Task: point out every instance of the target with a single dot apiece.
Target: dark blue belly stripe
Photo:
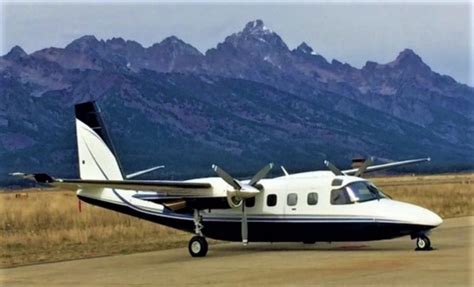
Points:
(277, 229)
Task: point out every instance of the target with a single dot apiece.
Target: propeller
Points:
(364, 166)
(261, 174)
(358, 173)
(226, 177)
(333, 168)
(244, 225)
(241, 192)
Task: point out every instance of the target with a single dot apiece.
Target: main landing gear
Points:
(197, 245)
(423, 243)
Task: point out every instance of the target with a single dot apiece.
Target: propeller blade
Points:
(244, 227)
(226, 177)
(261, 174)
(333, 168)
(364, 166)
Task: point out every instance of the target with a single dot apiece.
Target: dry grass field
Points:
(46, 226)
(448, 195)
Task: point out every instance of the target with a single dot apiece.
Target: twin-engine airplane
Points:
(335, 205)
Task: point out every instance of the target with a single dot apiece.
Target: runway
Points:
(381, 263)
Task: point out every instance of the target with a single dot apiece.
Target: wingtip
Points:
(38, 177)
(16, 173)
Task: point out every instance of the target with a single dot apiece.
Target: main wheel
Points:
(423, 243)
(197, 246)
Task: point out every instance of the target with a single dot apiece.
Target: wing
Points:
(386, 165)
(175, 195)
(181, 202)
(166, 187)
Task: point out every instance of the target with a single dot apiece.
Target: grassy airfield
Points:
(45, 225)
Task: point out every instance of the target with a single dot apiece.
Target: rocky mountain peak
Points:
(304, 48)
(409, 62)
(116, 42)
(256, 27)
(408, 58)
(172, 40)
(15, 53)
(83, 43)
(255, 38)
(369, 66)
(175, 45)
(408, 55)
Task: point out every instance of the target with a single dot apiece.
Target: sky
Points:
(352, 32)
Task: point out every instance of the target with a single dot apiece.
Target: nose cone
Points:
(427, 217)
(432, 219)
(411, 213)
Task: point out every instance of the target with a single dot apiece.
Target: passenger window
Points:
(312, 198)
(340, 196)
(271, 200)
(292, 199)
(250, 202)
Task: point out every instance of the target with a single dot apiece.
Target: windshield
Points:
(364, 191)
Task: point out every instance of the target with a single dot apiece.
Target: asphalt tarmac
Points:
(379, 263)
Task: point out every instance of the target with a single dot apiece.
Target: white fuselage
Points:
(300, 217)
(320, 183)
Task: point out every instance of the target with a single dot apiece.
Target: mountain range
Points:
(248, 101)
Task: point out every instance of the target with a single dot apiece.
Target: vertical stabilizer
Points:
(97, 156)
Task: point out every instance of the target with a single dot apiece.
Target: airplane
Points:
(309, 207)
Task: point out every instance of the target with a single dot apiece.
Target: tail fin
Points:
(97, 155)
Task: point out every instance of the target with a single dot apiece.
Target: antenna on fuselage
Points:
(284, 170)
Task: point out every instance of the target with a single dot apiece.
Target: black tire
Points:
(197, 246)
(423, 243)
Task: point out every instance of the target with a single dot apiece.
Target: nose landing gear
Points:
(423, 243)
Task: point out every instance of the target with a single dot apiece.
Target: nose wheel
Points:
(423, 243)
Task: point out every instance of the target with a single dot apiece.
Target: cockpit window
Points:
(356, 192)
(340, 196)
(363, 191)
